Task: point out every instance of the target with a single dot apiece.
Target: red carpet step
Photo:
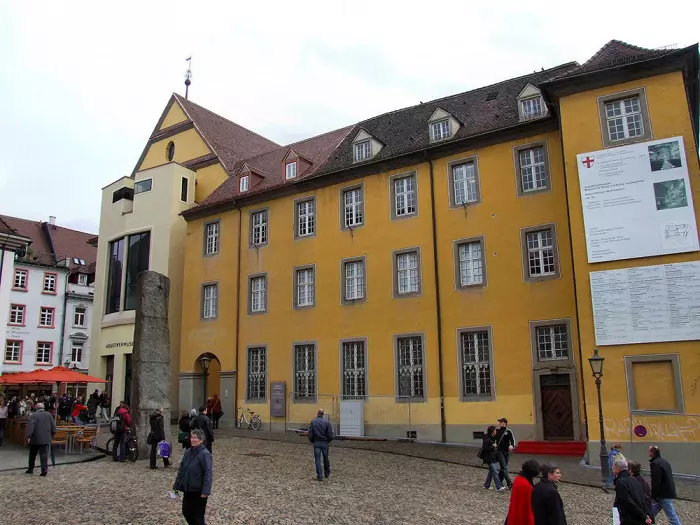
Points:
(552, 448)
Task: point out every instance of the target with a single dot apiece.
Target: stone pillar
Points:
(228, 396)
(151, 356)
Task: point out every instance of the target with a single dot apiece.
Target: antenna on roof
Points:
(188, 76)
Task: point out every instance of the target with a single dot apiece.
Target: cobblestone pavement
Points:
(272, 482)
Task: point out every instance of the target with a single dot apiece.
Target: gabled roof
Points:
(614, 53)
(314, 150)
(51, 243)
(229, 141)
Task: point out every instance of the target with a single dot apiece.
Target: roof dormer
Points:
(442, 126)
(294, 165)
(247, 178)
(365, 147)
(531, 105)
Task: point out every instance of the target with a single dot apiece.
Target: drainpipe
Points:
(573, 273)
(443, 429)
(2, 261)
(238, 313)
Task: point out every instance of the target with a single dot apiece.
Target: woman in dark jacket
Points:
(157, 434)
(194, 479)
(488, 456)
(183, 425)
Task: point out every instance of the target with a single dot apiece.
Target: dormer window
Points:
(243, 186)
(531, 104)
(82, 279)
(290, 170)
(440, 130)
(363, 150)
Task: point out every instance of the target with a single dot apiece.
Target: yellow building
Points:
(424, 272)
(189, 154)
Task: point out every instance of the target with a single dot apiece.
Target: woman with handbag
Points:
(488, 456)
(156, 435)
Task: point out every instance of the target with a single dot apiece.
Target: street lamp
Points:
(204, 361)
(596, 362)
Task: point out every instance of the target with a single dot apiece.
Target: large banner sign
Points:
(637, 201)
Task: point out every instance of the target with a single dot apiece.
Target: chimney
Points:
(52, 220)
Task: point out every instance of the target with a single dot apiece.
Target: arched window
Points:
(170, 151)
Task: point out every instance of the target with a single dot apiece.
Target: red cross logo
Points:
(588, 161)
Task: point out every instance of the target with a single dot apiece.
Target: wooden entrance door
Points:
(557, 412)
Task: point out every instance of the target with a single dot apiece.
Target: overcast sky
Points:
(84, 83)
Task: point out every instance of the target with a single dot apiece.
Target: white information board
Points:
(637, 201)
(647, 304)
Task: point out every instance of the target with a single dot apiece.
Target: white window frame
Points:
(413, 367)
(50, 280)
(407, 273)
(624, 115)
(532, 107)
(290, 170)
(305, 372)
(552, 342)
(259, 228)
(256, 374)
(306, 284)
(18, 314)
(82, 279)
(354, 280)
(243, 184)
(79, 318)
(465, 183)
(47, 346)
(476, 367)
(405, 196)
(47, 313)
(210, 301)
(76, 349)
(258, 294)
(212, 238)
(528, 160)
(12, 346)
(354, 369)
(471, 269)
(362, 150)
(21, 276)
(353, 207)
(440, 130)
(540, 253)
(306, 218)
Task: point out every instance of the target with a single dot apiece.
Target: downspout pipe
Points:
(443, 425)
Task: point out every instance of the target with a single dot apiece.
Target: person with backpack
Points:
(119, 426)
(105, 405)
(203, 423)
(155, 436)
(488, 456)
(615, 452)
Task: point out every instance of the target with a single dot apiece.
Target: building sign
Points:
(647, 304)
(637, 201)
(278, 391)
(119, 344)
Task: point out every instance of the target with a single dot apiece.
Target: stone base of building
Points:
(683, 456)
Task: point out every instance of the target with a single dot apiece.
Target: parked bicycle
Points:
(254, 422)
(131, 446)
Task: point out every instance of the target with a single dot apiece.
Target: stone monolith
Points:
(150, 371)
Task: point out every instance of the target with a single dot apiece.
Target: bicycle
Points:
(131, 446)
(254, 423)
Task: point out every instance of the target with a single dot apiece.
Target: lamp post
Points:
(204, 361)
(596, 362)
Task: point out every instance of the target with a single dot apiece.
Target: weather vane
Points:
(188, 76)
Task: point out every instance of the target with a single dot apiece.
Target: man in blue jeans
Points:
(321, 434)
(663, 488)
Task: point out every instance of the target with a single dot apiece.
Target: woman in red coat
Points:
(520, 510)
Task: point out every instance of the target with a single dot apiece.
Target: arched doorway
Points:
(209, 366)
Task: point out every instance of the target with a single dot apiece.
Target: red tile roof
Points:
(231, 142)
(51, 243)
(270, 165)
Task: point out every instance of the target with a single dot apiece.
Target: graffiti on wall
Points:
(669, 428)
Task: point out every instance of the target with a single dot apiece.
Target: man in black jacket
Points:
(204, 423)
(321, 434)
(547, 506)
(630, 500)
(663, 489)
(506, 443)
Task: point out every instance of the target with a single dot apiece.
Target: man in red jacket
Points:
(123, 425)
